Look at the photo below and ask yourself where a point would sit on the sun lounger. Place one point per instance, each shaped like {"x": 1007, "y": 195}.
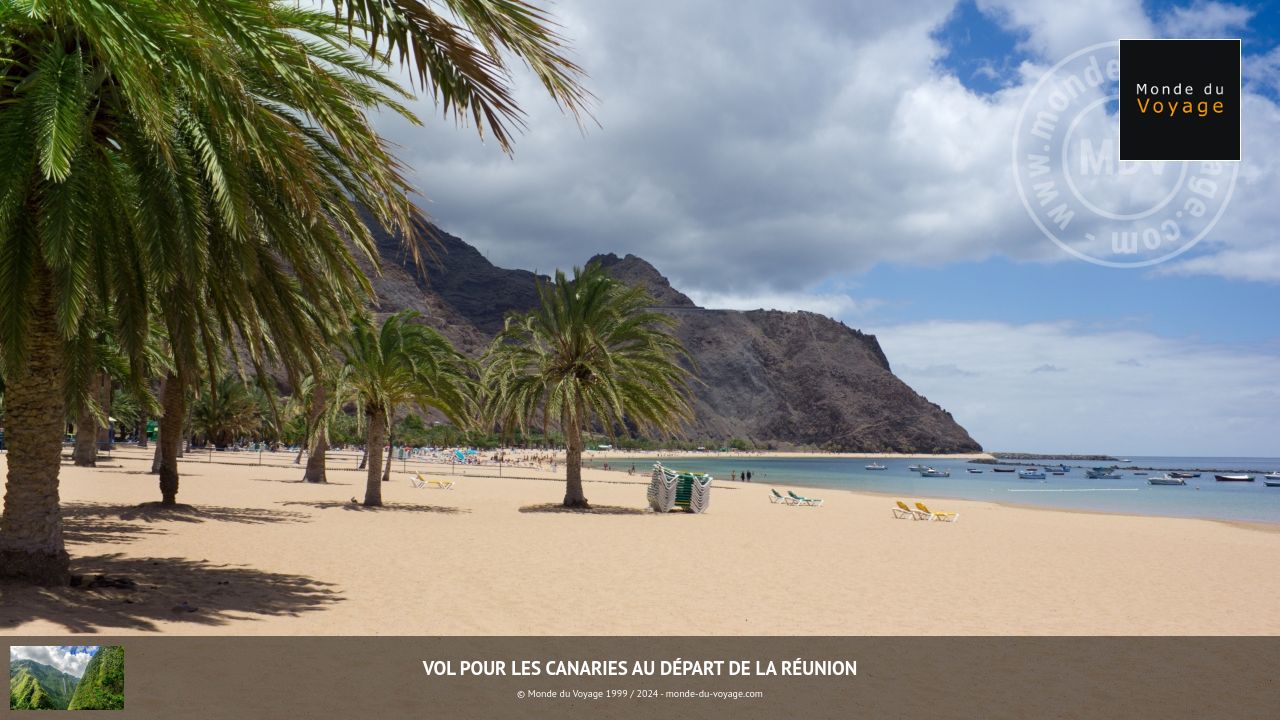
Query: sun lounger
{"x": 802, "y": 500}
{"x": 417, "y": 482}
{"x": 424, "y": 482}
{"x": 930, "y": 515}
{"x": 777, "y": 497}
{"x": 904, "y": 511}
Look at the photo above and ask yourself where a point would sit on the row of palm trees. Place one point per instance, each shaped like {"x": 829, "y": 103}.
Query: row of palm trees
{"x": 193, "y": 185}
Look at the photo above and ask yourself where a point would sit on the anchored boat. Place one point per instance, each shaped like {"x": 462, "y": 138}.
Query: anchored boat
{"x": 1031, "y": 474}
{"x": 1102, "y": 473}
{"x": 1165, "y": 480}
{"x": 1233, "y": 478}
{"x": 875, "y": 466}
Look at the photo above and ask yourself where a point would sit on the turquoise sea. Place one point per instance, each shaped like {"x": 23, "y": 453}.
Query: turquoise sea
{"x": 1201, "y": 497}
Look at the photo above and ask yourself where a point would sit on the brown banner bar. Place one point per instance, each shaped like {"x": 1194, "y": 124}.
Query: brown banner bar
{"x": 683, "y": 677}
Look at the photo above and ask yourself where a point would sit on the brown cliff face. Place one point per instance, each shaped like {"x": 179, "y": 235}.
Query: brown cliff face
{"x": 777, "y": 379}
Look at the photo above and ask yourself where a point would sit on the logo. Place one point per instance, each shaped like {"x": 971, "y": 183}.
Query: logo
{"x": 1110, "y": 212}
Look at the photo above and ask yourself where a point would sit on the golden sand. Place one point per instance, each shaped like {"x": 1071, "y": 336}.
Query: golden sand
{"x": 259, "y": 553}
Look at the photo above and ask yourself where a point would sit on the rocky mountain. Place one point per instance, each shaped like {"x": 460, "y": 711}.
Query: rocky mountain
{"x": 36, "y": 686}
{"x": 102, "y": 687}
{"x": 775, "y": 379}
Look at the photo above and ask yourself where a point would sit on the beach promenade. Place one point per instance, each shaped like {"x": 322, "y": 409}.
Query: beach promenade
{"x": 259, "y": 553}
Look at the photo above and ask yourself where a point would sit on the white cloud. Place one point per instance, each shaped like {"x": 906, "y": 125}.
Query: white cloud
{"x": 1056, "y": 29}
{"x": 829, "y": 304}
{"x": 1206, "y": 20}
{"x": 779, "y": 144}
{"x": 1112, "y": 391}
{"x": 70, "y": 659}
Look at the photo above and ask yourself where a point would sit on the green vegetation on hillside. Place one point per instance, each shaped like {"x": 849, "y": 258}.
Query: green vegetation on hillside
{"x": 35, "y": 686}
{"x": 102, "y": 687}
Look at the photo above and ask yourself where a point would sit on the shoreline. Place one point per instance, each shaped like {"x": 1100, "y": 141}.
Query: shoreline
{"x": 780, "y": 454}
{"x": 255, "y": 551}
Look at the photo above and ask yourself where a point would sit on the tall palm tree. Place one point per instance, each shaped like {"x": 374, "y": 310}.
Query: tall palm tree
{"x": 196, "y": 160}
{"x": 399, "y": 363}
{"x": 201, "y": 166}
{"x": 592, "y": 353}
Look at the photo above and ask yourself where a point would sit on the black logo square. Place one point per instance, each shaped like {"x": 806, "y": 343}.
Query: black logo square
{"x": 1179, "y": 99}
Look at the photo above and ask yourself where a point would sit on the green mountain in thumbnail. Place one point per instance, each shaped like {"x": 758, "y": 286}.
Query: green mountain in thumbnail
{"x": 36, "y": 686}
{"x": 102, "y": 687}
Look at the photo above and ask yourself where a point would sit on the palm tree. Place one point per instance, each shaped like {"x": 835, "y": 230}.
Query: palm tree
{"x": 454, "y": 49}
{"x": 227, "y": 412}
{"x": 177, "y": 162}
{"x": 402, "y": 362}
{"x": 202, "y": 166}
{"x": 592, "y": 353}
{"x": 320, "y": 399}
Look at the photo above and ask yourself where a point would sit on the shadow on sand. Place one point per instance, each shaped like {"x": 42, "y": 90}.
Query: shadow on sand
{"x": 593, "y": 510}
{"x": 153, "y": 512}
{"x": 389, "y": 507}
{"x": 87, "y": 523}
{"x": 156, "y": 589}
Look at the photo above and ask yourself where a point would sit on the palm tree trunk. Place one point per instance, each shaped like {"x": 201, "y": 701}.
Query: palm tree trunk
{"x": 142, "y": 431}
{"x": 573, "y": 495}
{"x": 315, "y": 461}
{"x": 155, "y": 458}
{"x": 173, "y": 401}
{"x": 319, "y": 440}
{"x": 86, "y": 450}
{"x": 391, "y": 444}
{"x": 104, "y": 438}
{"x": 31, "y": 544}
{"x": 374, "y": 440}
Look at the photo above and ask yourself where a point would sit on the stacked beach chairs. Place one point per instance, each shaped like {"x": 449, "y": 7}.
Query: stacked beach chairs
{"x": 669, "y": 490}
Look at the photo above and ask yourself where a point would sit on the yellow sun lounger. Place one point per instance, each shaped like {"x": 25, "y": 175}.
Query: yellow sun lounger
{"x": 904, "y": 511}
{"x": 928, "y": 514}
{"x": 425, "y": 482}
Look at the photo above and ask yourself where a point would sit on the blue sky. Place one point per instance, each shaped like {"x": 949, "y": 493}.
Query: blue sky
{"x": 853, "y": 159}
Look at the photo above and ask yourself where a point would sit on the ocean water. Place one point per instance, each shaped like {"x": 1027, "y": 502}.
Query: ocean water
{"x": 1201, "y": 497}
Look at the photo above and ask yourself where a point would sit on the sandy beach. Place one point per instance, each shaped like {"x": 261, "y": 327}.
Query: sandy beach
{"x": 259, "y": 553}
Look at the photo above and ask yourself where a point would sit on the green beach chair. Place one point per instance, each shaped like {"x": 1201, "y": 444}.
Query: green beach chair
{"x": 802, "y": 500}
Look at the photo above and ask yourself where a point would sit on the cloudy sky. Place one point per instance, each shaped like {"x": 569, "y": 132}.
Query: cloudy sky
{"x": 70, "y": 659}
{"x": 854, "y": 159}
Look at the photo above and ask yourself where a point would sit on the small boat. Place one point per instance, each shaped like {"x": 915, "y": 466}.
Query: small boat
{"x": 975, "y": 471}
{"x": 1184, "y": 475}
{"x": 1101, "y": 473}
{"x": 1271, "y": 483}
{"x": 915, "y": 468}
{"x": 875, "y": 466}
{"x": 1031, "y": 474}
{"x": 1165, "y": 480}
{"x": 1140, "y": 473}
{"x": 1233, "y": 478}
{"x": 1057, "y": 469}
{"x": 930, "y": 472}
{"x": 1058, "y": 473}
{"x": 1002, "y": 469}
{"x": 1272, "y": 476}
